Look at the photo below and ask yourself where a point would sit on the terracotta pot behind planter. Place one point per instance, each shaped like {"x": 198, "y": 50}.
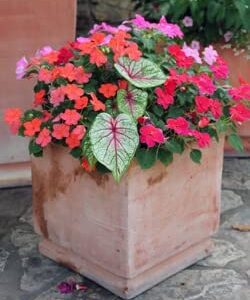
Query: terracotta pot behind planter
{"x": 129, "y": 236}
{"x": 239, "y": 66}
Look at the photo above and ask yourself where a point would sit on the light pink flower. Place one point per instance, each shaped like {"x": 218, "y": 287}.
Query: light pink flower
{"x": 45, "y": 50}
{"x": 81, "y": 40}
{"x": 21, "y": 67}
{"x": 108, "y": 28}
{"x": 210, "y": 55}
{"x": 195, "y": 45}
{"x": 57, "y": 96}
{"x": 190, "y": 52}
{"x": 228, "y": 36}
{"x": 188, "y": 21}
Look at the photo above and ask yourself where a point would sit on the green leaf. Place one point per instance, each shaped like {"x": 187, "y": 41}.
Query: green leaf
{"x": 76, "y": 152}
{"x": 175, "y": 146}
{"x": 132, "y": 102}
{"x": 114, "y": 142}
{"x": 196, "y": 155}
{"x": 87, "y": 151}
{"x": 146, "y": 157}
{"x": 142, "y": 73}
{"x": 165, "y": 156}
{"x": 236, "y": 142}
{"x": 35, "y": 149}
{"x": 221, "y": 126}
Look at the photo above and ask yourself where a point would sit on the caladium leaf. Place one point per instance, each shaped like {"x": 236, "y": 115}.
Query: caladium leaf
{"x": 132, "y": 101}
{"x": 114, "y": 142}
{"x": 87, "y": 151}
{"x": 142, "y": 73}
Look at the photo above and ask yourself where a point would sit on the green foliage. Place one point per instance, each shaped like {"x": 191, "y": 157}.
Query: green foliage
{"x": 87, "y": 151}
{"x": 196, "y": 155}
{"x": 211, "y": 18}
{"x": 165, "y": 156}
{"x": 35, "y": 149}
{"x": 146, "y": 157}
{"x": 175, "y": 146}
{"x": 236, "y": 142}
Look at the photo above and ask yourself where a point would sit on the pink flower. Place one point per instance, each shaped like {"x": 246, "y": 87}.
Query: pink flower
{"x": 21, "y": 67}
{"x": 45, "y": 50}
{"x": 81, "y": 40}
{"x": 216, "y": 108}
{"x": 202, "y": 104}
{"x": 70, "y": 116}
{"x": 240, "y": 113}
{"x": 179, "y": 125}
{"x": 57, "y": 96}
{"x": 151, "y": 135}
{"x": 60, "y": 131}
{"x": 140, "y": 22}
{"x": 203, "y": 139}
{"x": 163, "y": 98}
{"x": 12, "y": 116}
{"x": 191, "y": 52}
{"x": 44, "y": 137}
{"x": 240, "y": 93}
{"x": 45, "y": 75}
{"x": 169, "y": 29}
{"x": 79, "y": 131}
{"x": 210, "y": 55}
{"x": 188, "y": 21}
{"x": 228, "y": 36}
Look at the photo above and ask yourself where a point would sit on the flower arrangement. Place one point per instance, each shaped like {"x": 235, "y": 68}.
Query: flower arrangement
{"x": 132, "y": 91}
{"x": 206, "y": 21}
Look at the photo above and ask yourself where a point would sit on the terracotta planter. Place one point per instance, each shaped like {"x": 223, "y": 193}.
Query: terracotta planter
{"x": 239, "y": 66}
{"x": 26, "y": 26}
{"x": 129, "y": 236}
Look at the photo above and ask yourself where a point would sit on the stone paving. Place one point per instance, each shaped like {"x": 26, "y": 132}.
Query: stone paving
{"x": 27, "y": 275}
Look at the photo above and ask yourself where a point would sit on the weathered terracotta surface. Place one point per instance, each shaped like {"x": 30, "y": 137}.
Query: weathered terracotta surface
{"x": 128, "y": 236}
{"x": 239, "y": 66}
{"x": 25, "y": 26}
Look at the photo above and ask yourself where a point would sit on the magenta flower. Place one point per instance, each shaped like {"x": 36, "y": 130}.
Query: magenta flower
{"x": 228, "y": 36}
{"x": 191, "y": 52}
{"x": 169, "y": 29}
{"x": 141, "y": 23}
{"x": 108, "y": 28}
{"x": 21, "y": 67}
{"x": 188, "y": 21}
{"x": 210, "y": 55}
{"x": 66, "y": 287}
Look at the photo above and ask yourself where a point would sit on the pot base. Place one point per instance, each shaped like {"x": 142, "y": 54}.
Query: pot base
{"x": 126, "y": 288}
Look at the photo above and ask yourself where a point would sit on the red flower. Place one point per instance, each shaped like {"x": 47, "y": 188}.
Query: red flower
{"x": 170, "y": 85}
{"x": 45, "y": 75}
{"x": 70, "y": 116}
{"x": 64, "y": 56}
{"x": 79, "y": 131}
{"x": 72, "y": 91}
{"x": 60, "y": 131}
{"x": 203, "y": 139}
{"x": 220, "y": 69}
{"x": 202, "y": 104}
{"x": 97, "y": 104}
{"x": 181, "y": 59}
{"x": 32, "y": 127}
{"x": 39, "y": 98}
{"x": 179, "y": 125}
{"x": 204, "y": 83}
{"x": 81, "y": 102}
{"x": 108, "y": 90}
{"x": 240, "y": 113}
{"x": 163, "y": 98}
{"x": 216, "y": 108}
{"x": 73, "y": 141}
{"x": 57, "y": 96}
{"x": 240, "y": 93}
{"x": 44, "y": 137}
{"x": 151, "y": 135}
{"x": 122, "y": 84}
{"x": 133, "y": 51}
{"x": 97, "y": 57}
{"x": 204, "y": 121}
{"x": 81, "y": 76}
{"x": 86, "y": 166}
{"x": 12, "y": 116}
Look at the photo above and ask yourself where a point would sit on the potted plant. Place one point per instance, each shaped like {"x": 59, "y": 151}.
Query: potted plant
{"x": 128, "y": 207}
{"x": 225, "y": 24}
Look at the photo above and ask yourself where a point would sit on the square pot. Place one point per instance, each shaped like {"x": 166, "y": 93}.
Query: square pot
{"x": 128, "y": 236}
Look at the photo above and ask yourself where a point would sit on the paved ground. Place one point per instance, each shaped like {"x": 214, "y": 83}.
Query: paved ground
{"x": 26, "y": 275}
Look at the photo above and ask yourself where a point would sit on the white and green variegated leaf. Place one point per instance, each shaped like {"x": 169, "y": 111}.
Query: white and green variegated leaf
{"x": 132, "y": 101}
{"x": 114, "y": 142}
{"x": 142, "y": 73}
{"x": 87, "y": 151}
